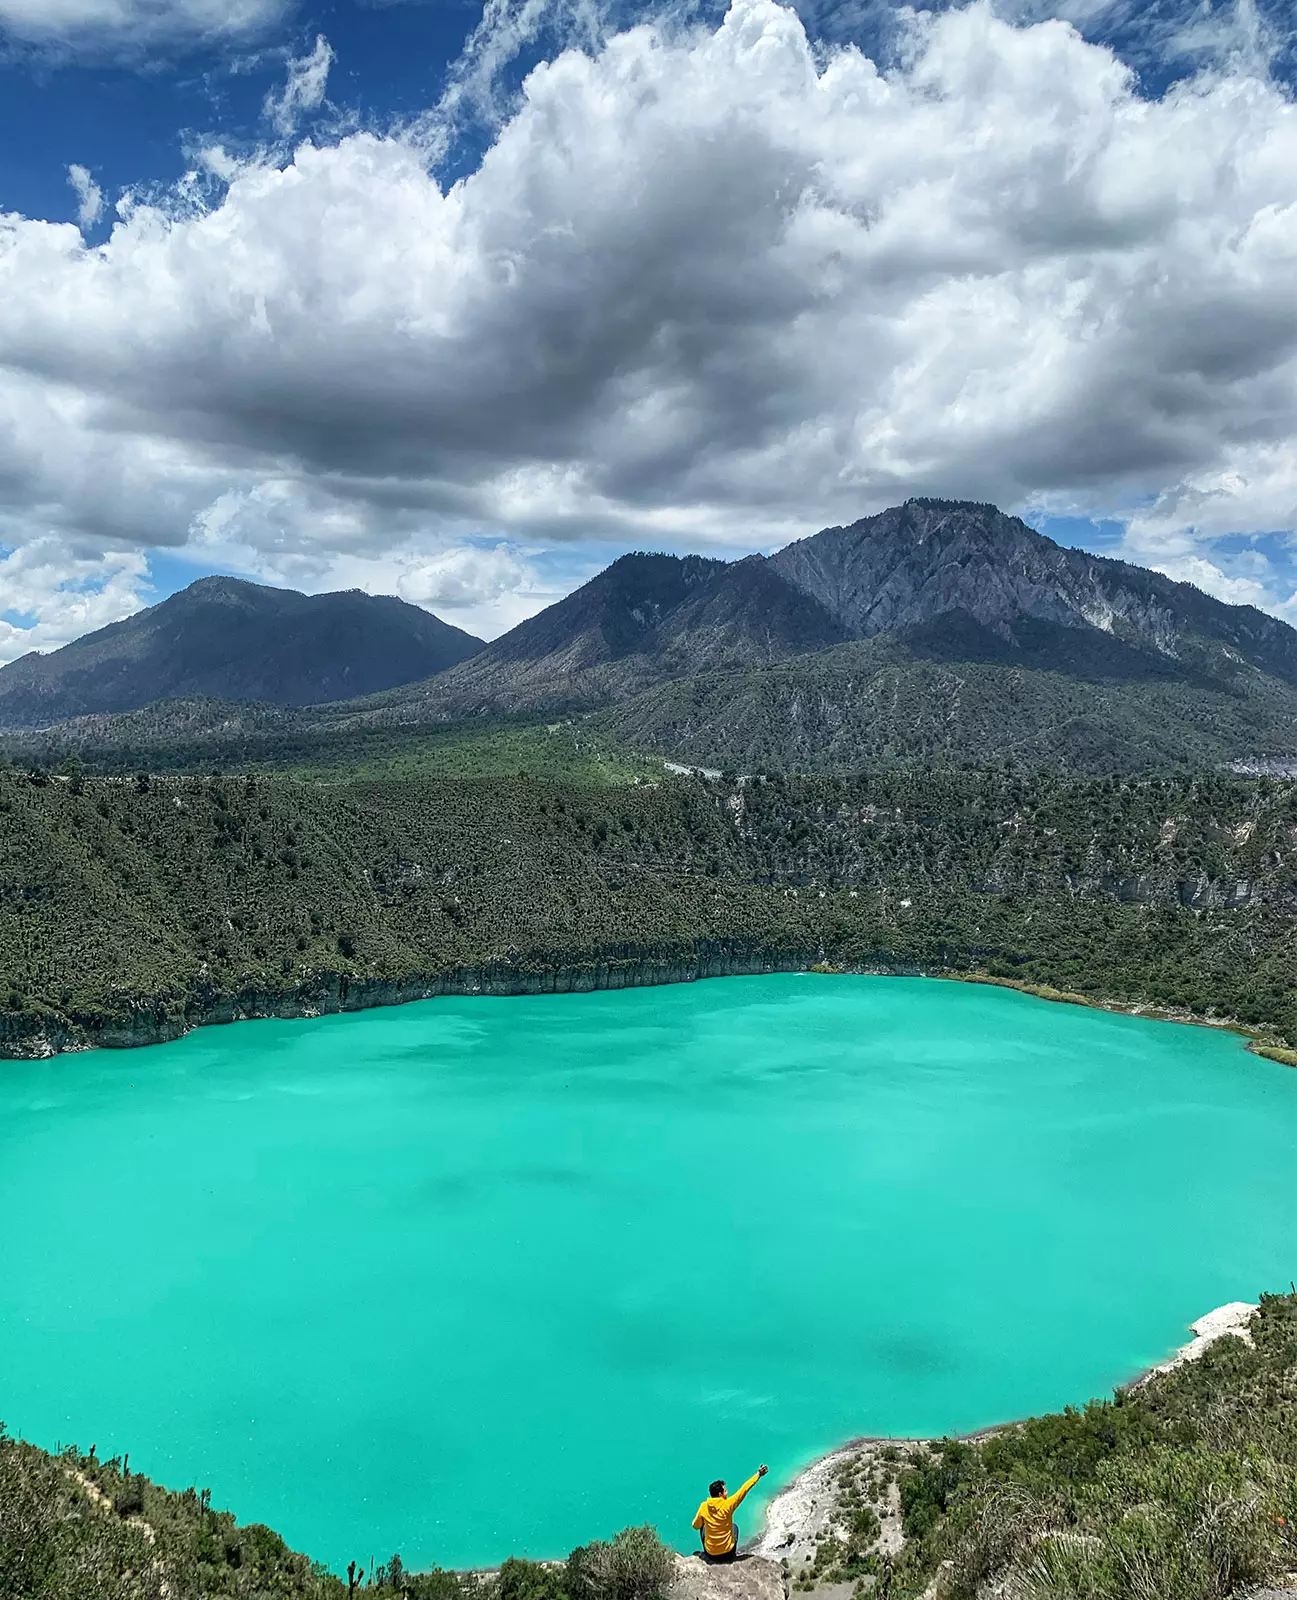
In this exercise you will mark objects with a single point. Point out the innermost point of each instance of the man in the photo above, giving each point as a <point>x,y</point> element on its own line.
<point>715,1519</point>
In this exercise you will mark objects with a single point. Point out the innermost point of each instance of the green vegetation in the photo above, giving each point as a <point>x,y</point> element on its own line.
<point>878,704</point>
<point>73,1527</point>
<point>76,1528</point>
<point>1285,1058</point>
<point>202,736</point>
<point>1182,1489</point>
<point>130,909</point>
<point>557,752</point>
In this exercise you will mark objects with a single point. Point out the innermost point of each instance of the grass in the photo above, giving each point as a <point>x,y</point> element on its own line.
<point>1274,1052</point>
<point>1042,991</point>
<point>552,752</point>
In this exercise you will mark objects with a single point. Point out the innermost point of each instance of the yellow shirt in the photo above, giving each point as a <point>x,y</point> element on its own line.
<point>716,1519</point>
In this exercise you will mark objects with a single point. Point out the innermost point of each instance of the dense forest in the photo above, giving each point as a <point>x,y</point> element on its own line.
<point>1181,1488</point>
<point>131,909</point>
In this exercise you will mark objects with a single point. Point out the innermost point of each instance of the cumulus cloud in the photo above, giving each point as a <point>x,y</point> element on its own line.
<point>89,195</point>
<point>482,589</point>
<point>707,285</point>
<point>1206,575</point>
<point>53,593</point>
<point>304,88</point>
<point>129,26</point>
<point>290,532</point>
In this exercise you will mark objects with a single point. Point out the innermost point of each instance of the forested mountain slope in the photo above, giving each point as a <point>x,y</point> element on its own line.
<point>951,691</point>
<point>230,639</point>
<point>129,911</point>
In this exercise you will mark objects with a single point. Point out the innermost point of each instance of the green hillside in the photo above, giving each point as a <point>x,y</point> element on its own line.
<point>923,700</point>
<point>890,702</point>
<point>207,735</point>
<point>132,908</point>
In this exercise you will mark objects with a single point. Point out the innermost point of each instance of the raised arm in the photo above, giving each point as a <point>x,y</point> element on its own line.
<point>739,1494</point>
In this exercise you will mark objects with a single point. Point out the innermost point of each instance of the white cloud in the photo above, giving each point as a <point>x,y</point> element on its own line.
<point>57,592</point>
<point>89,194</point>
<point>129,26</point>
<point>484,590</point>
<point>304,88</point>
<point>707,286</point>
<point>1206,575</point>
<point>287,532</point>
<point>476,84</point>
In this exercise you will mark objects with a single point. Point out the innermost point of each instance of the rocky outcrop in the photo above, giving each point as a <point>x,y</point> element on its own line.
<point>809,1511</point>
<point>931,558</point>
<point>751,1577</point>
<point>1228,1321</point>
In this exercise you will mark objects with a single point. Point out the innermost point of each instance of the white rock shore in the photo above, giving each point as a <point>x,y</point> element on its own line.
<point>806,1510</point>
<point>1231,1320</point>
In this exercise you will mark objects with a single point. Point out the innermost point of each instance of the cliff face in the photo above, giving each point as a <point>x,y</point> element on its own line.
<point>129,913</point>
<point>927,558</point>
<point>154,1020</point>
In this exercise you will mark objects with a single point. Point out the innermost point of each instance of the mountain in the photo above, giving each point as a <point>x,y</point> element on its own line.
<point>935,632</point>
<point>645,618</point>
<point>929,558</point>
<point>642,619</point>
<point>228,639</point>
<point>955,580</point>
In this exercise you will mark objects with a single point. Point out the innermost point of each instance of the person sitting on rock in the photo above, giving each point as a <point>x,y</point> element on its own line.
<point>715,1519</point>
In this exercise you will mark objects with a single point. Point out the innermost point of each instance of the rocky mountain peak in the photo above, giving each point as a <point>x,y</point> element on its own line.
<point>928,558</point>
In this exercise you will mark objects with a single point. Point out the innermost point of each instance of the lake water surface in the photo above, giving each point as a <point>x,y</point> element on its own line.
<point>480,1276</point>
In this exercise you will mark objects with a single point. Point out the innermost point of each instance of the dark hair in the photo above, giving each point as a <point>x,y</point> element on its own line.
<point>718,1487</point>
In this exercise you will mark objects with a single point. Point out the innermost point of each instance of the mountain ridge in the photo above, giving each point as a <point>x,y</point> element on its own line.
<point>227,638</point>
<point>927,557</point>
<point>930,571</point>
<point>932,631</point>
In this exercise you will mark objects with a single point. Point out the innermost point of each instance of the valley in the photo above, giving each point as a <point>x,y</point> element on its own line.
<point>932,744</point>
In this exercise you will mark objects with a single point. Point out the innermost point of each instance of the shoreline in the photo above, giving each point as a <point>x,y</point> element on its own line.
<point>1259,1043</point>
<point>43,1035</point>
<point>802,1511</point>
<point>806,1509</point>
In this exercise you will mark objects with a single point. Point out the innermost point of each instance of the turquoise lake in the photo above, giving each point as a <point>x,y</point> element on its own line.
<point>480,1276</point>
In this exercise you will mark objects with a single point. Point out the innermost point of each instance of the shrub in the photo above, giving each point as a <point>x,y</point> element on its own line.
<point>530,1580</point>
<point>635,1565</point>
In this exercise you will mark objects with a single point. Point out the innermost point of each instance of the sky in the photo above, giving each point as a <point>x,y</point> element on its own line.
<point>459,303</point>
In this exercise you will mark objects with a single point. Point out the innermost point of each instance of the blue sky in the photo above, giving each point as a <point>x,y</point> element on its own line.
<point>400,295</point>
